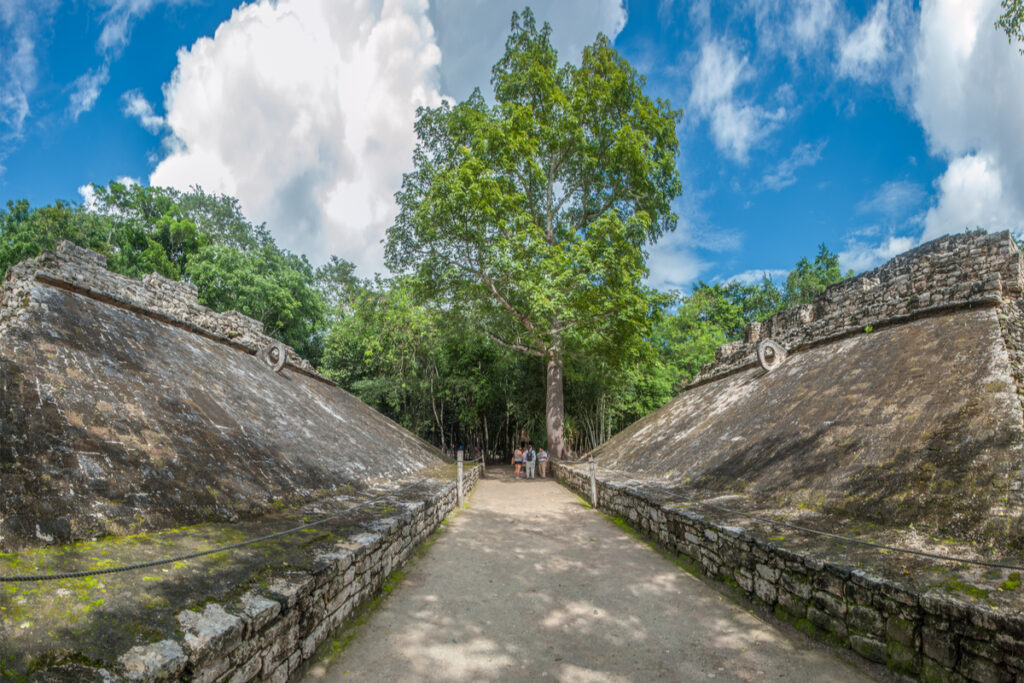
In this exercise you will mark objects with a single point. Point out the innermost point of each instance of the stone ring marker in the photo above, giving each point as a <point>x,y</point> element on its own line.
<point>770,354</point>
<point>274,355</point>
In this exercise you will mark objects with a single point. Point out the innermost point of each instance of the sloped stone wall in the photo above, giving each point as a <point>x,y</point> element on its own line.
<point>955,271</point>
<point>929,635</point>
<point>270,633</point>
<point>84,271</point>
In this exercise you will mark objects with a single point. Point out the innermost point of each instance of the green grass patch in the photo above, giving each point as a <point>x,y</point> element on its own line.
<point>1012,582</point>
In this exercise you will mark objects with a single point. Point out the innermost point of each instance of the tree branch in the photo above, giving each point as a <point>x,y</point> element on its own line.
<point>515,346</point>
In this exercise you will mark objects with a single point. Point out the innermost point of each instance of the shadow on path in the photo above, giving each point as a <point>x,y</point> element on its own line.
<point>529,584</point>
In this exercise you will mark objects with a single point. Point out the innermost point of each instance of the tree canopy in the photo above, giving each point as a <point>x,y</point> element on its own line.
<point>532,215</point>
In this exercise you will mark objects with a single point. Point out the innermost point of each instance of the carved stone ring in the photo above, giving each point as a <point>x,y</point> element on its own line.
<point>770,354</point>
<point>274,355</point>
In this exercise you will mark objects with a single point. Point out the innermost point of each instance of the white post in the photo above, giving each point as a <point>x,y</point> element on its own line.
<point>593,482</point>
<point>459,461</point>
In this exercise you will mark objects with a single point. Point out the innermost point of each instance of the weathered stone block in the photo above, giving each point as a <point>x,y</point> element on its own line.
<point>866,620</point>
<point>765,590</point>
<point>940,646</point>
<point>901,630</point>
<point>869,648</point>
<point>981,670</point>
<point>793,604</point>
<point>161,661</point>
<point>210,632</point>
<point>828,602</point>
<point>258,611</point>
<point>901,658</point>
<point>827,623</point>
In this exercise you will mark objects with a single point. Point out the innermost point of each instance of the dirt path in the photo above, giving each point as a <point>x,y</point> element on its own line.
<point>529,584</point>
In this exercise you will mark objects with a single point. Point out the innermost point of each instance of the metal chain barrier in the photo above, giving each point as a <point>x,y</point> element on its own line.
<point>177,558</point>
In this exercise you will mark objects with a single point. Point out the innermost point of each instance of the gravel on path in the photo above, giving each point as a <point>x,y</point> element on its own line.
<point>530,584</point>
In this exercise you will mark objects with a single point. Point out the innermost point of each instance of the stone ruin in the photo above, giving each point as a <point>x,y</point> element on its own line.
<point>889,411</point>
<point>137,425</point>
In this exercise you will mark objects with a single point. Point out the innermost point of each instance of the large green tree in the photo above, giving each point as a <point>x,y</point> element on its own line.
<point>533,214</point>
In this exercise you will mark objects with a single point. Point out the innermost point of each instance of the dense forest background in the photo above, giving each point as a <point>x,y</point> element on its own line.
<point>427,365</point>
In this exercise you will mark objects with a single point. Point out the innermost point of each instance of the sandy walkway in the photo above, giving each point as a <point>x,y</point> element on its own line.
<point>528,584</point>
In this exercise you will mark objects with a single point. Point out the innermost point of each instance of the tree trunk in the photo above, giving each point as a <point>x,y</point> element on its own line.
<point>555,400</point>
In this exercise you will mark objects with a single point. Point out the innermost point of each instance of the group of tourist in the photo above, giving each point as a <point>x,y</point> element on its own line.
<point>527,460</point>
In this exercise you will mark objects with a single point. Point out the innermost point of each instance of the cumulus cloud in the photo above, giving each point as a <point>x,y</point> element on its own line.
<point>860,256</point>
<point>471,34</point>
<point>304,111</point>
<point>135,105</point>
<point>736,124</point>
<point>784,175</point>
<point>971,194</point>
<point>674,264</point>
<point>967,97</point>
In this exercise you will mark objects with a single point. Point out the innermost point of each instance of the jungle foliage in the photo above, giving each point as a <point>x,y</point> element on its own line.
<point>425,364</point>
<point>520,309</point>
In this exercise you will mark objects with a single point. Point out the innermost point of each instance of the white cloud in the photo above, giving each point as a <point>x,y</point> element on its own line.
<point>861,256</point>
<point>135,105</point>
<point>971,194</point>
<point>863,50</point>
<point>736,125</point>
<point>784,175</point>
<point>119,18</point>
<point>86,90</point>
<point>794,27</point>
<point>895,200</point>
<point>673,264</point>
<point>471,34</point>
<point>88,192</point>
<point>968,97</point>
<point>754,277</point>
<point>20,24</point>
<point>304,111</point>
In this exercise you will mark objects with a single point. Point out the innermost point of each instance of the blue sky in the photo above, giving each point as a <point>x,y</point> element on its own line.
<point>869,125</point>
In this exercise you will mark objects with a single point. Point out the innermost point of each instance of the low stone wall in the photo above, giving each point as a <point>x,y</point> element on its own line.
<point>270,633</point>
<point>956,271</point>
<point>929,635</point>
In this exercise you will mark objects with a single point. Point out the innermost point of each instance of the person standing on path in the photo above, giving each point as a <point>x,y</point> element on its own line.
<point>517,458</point>
<point>542,462</point>
<point>530,458</point>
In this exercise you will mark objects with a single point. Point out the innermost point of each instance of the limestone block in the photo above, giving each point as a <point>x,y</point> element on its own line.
<point>211,631</point>
<point>289,590</point>
<point>869,648</point>
<point>865,619</point>
<point>162,661</point>
<point>258,611</point>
